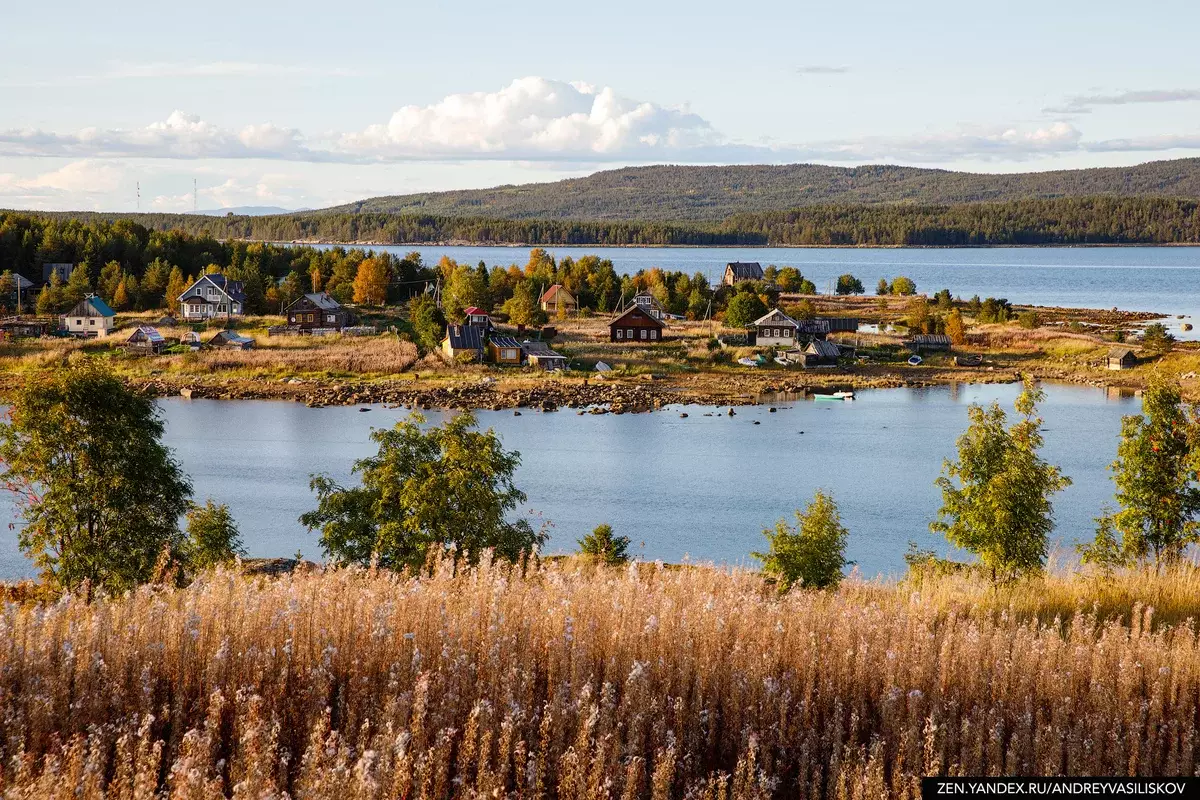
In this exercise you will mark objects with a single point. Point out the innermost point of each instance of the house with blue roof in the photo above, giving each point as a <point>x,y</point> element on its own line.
<point>91,318</point>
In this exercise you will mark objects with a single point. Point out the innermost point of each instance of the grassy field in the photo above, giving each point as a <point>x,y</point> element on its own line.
<point>580,682</point>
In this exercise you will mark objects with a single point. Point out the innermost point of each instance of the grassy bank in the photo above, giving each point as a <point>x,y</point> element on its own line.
<point>578,682</point>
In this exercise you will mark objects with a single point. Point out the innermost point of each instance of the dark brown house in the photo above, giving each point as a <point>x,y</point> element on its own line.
<point>317,310</point>
<point>635,326</point>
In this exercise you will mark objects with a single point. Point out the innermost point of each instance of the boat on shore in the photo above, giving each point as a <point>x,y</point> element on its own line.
<point>915,361</point>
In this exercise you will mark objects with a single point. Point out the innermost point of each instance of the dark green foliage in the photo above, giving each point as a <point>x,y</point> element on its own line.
<point>99,494</point>
<point>848,284</point>
<point>448,486</point>
<point>212,537</point>
<point>1029,319</point>
<point>810,555</point>
<point>1157,339</point>
<point>603,546</point>
<point>993,310</point>
<point>744,308</point>
<point>427,323</point>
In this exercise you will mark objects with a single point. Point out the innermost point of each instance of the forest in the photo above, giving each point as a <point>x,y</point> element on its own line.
<point>1063,221</point>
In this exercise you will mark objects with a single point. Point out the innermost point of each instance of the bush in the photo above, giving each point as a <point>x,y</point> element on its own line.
<point>606,548</point>
<point>1157,339</point>
<point>1029,319</point>
<point>213,538</point>
<point>812,554</point>
<point>904,286</point>
<point>848,284</point>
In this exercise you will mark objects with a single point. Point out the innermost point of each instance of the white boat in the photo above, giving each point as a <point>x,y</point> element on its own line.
<point>781,361</point>
<point>915,361</point>
<point>844,395</point>
<point>748,362</point>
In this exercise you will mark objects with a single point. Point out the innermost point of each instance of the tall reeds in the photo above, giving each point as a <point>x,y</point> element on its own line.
<point>578,682</point>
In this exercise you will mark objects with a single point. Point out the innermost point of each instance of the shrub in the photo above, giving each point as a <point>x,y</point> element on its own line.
<point>812,554</point>
<point>213,538</point>
<point>602,545</point>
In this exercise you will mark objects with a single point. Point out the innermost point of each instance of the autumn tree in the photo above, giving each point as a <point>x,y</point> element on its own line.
<point>371,282</point>
<point>464,288</point>
<point>956,329</point>
<point>523,308</point>
<point>744,308</point>
<point>446,486</point>
<point>99,494</point>
<point>176,285</point>
<point>996,495</point>
<point>904,286</point>
<point>848,284</point>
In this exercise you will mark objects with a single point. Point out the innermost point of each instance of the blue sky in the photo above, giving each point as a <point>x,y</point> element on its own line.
<point>309,104</point>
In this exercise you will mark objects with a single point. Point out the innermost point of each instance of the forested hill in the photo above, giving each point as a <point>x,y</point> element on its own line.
<point>1064,221</point>
<point>704,194</point>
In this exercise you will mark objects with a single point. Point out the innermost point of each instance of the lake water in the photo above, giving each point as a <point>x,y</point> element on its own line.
<point>1159,279</point>
<point>702,487</point>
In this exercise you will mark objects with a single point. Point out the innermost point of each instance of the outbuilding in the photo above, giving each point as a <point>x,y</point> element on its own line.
<point>145,340</point>
<point>541,356</point>
<point>463,340</point>
<point>504,350</point>
<point>1121,358</point>
<point>231,340</point>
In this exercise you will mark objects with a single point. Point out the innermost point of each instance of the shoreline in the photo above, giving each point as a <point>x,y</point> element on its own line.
<point>526,245</point>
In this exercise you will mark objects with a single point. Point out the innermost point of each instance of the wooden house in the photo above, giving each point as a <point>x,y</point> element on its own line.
<point>62,269</point>
<point>820,353</point>
<point>541,356</point>
<point>27,327</point>
<point>91,318</point>
<point>635,326</point>
<point>212,295</point>
<point>146,341</point>
<point>927,342</point>
<point>775,329</point>
<point>649,303</point>
<point>463,340</point>
<point>557,300</point>
<point>317,310</point>
<point>231,340</point>
<point>1121,358</point>
<point>739,271</point>
<point>478,317</point>
<point>504,350</point>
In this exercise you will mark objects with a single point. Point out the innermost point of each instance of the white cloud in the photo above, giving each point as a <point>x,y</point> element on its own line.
<point>536,120</point>
<point>76,178</point>
<point>1083,104</point>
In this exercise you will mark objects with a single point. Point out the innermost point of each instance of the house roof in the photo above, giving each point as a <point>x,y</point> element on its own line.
<point>776,317</point>
<point>504,341</point>
<point>231,337</point>
<point>464,337</point>
<point>930,338</point>
<point>21,281</point>
<point>63,268</point>
<point>745,270</point>
<point>538,349</point>
<point>812,327</point>
<point>474,311</point>
<point>321,300</point>
<point>1120,352</point>
<point>235,290</point>
<point>166,321</point>
<point>91,307</point>
<point>145,333</point>
<point>635,310</point>
<point>552,293</point>
<point>823,349</point>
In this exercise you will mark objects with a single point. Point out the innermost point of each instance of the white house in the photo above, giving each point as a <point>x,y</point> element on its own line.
<point>91,317</point>
<point>212,296</point>
<point>775,329</point>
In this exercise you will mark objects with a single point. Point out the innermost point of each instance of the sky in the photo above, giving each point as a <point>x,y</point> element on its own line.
<point>304,104</point>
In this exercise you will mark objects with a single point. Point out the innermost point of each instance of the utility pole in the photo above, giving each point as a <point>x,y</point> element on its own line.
<point>138,187</point>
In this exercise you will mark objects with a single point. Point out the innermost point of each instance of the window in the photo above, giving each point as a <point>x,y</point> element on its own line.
<point>653,334</point>
<point>92,321</point>
<point>629,333</point>
<point>78,322</point>
<point>620,333</point>
<point>643,333</point>
<point>330,318</point>
<point>787,333</point>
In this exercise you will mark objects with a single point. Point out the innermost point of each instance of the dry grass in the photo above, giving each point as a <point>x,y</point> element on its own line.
<point>585,684</point>
<point>299,355</point>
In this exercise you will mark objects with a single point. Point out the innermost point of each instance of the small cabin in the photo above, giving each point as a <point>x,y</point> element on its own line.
<point>91,318</point>
<point>478,317</point>
<point>1121,358</point>
<point>541,356</point>
<point>230,340</point>
<point>317,310</point>
<point>557,300</point>
<point>635,326</point>
<point>504,350</point>
<point>145,340</point>
<point>821,353</point>
<point>775,329</point>
<point>738,271</point>
<point>928,342</point>
<point>463,340</point>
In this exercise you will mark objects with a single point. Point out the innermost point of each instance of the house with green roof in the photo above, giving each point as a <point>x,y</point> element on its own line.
<point>91,318</point>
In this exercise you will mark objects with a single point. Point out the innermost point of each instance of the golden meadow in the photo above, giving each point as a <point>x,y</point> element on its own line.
<point>574,681</point>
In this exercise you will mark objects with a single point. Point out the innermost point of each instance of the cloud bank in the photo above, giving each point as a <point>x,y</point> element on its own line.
<point>538,120</point>
<point>1083,104</point>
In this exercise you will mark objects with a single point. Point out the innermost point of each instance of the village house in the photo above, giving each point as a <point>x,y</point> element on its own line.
<point>62,269</point>
<point>1121,358</point>
<point>20,292</point>
<point>90,318</point>
<point>317,310</point>
<point>635,325</point>
<point>926,342</point>
<point>504,350</point>
<point>820,353</point>
<point>738,271</point>
<point>541,356</point>
<point>146,341</point>
<point>478,317</point>
<point>230,340</point>
<point>17,328</point>
<point>649,303</point>
<point>557,300</point>
<point>463,340</point>
<point>212,296</point>
<point>775,329</point>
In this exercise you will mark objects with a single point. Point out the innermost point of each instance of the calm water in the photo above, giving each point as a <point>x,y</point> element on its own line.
<point>702,487</point>
<point>1160,279</point>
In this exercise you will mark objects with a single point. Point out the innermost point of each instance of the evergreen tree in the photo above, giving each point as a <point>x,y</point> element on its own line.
<point>812,554</point>
<point>602,545</point>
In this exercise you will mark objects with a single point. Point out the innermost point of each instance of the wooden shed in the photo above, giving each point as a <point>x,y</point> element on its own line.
<point>926,342</point>
<point>1121,358</point>
<point>145,340</point>
<point>230,340</point>
<point>541,356</point>
<point>504,350</point>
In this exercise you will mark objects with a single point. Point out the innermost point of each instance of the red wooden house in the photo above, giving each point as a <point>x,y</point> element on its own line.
<point>635,326</point>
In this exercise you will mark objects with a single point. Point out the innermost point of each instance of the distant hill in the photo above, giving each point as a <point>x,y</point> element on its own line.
<point>708,194</point>
<point>249,211</point>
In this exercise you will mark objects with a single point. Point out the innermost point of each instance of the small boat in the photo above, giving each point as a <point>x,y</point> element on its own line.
<point>844,395</point>
<point>748,362</point>
<point>915,361</point>
<point>781,361</point>
<point>969,360</point>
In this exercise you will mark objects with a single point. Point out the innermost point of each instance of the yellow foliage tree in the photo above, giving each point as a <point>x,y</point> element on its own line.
<point>121,296</point>
<point>371,282</point>
<point>956,329</point>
